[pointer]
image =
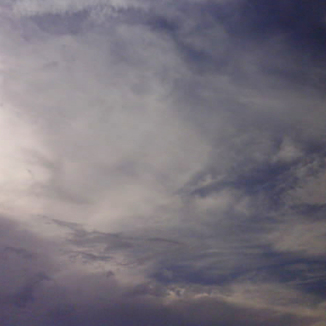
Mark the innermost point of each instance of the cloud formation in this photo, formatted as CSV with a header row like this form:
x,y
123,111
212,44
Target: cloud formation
x,y
162,163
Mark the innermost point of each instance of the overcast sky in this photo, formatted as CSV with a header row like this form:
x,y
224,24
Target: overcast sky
x,y
162,163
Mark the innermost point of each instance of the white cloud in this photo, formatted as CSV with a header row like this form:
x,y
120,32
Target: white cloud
x,y
298,236
288,151
37,7
40,7
113,136
311,187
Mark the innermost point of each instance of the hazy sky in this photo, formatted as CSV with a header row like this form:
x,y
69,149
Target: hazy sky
x,y
162,163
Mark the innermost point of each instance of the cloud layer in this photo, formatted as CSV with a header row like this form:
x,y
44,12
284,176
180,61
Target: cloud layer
x,y
162,163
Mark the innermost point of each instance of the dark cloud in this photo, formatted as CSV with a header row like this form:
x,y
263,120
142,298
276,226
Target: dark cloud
x,y
47,297
25,294
18,251
205,311
301,23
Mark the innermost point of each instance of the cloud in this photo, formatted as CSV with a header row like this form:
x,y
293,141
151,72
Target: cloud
x,y
167,166
301,236
68,295
137,147
36,7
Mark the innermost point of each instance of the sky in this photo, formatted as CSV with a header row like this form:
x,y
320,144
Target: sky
x,y
162,163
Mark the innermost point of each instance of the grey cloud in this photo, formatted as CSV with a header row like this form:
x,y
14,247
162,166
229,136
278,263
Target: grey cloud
x,y
183,314
145,306
25,294
18,251
35,7
172,145
61,24
23,269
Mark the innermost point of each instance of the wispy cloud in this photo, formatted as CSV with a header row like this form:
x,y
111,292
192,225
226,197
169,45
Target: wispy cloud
x,y
162,163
